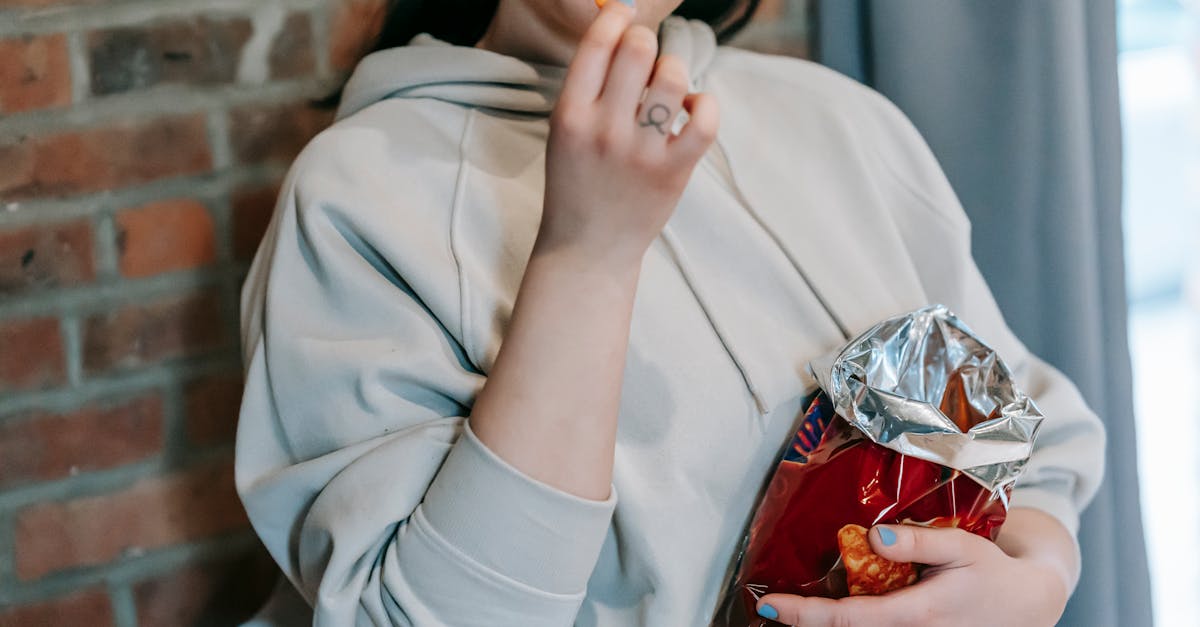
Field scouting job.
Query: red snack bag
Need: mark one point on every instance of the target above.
(917, 422)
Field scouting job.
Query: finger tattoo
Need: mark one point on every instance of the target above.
(656, 115)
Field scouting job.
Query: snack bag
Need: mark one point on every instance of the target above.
(917, 422)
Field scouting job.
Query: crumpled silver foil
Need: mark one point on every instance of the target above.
(889, 383)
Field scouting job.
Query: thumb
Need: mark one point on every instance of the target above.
(863, 610)
(933, 546)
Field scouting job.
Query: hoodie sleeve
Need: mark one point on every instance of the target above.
(355, 461)
(1067, 464)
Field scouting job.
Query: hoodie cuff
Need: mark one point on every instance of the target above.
(512, 524)
(1057, 505)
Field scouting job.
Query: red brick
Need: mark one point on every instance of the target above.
(193, 51)
(49, 255)
(164, 236)
(212, 408)
(141, 334)
(222, 593)
(44, 447)
(252, 211)
(353, 29)
(18, 171)
(291, 53)
(154, 513)
(31, 354)
(126, 153)
(35, 73)
(89, 607)
(262, 133)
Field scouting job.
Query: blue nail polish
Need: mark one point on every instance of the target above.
(767, 611)
(627, 3)
(887, 536)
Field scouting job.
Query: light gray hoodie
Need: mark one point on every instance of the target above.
(376, 306)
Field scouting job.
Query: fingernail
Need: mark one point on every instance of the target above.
(767, 611)
(886, 536)
(627, 3)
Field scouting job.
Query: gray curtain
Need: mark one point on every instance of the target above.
(1018, 99)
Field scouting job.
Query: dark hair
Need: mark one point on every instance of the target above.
(463, 22)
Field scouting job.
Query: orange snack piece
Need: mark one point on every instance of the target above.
(867, 572)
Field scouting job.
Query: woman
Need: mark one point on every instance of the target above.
(523, 189)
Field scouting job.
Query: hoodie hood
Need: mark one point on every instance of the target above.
(431, 68)
(481, 79)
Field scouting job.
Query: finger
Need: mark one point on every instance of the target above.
(589, 67)
(700, 131)
(819, 612)
(629, 72)
(944, 547)
(664, 96)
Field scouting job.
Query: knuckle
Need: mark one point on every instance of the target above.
(917, 544)
(568, 120)
(673, 83)
(602, 35)
(609, 142)
(676, 177)
(643, 160)
(706, 131)
(963, 542)
(593, 41)
(672, 74)
(593, 46)
(640, 42)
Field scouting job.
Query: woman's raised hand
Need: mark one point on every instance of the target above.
(614, 169)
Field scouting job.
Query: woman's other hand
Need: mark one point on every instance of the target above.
(1024, 578)
(614, 169)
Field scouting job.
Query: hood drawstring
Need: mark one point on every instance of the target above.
(734, 187)
(680, 257)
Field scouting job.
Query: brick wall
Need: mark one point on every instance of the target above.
(141, 144)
